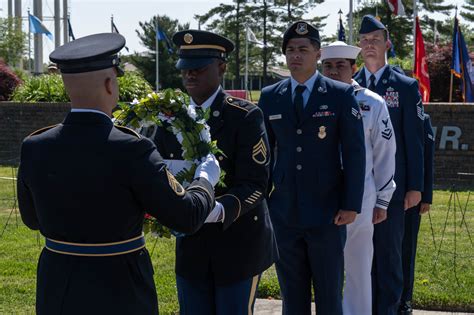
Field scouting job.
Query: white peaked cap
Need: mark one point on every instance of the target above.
(339, 50)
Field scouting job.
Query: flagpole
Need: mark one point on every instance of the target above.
(451, 81)
(157, 83)
(351, 27)
(38, 38)
(246, 58)
(451, 88)
(66, 17)
(29, 42)
(415, 14)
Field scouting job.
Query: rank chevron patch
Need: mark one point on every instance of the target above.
(387, 134)
(420, 112)
(174, 184)
(259, 152)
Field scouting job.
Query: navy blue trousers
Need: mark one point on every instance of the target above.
(311, 258)
(410, 238)
(387, 272)
(206, 298)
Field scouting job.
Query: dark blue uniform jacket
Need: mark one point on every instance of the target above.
(86, 181)
(318, 164)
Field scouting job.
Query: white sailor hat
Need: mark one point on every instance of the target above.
(339, 50)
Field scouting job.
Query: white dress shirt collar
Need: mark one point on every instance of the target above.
(377, 74)
(308, 83)
(207, 103)
(88, 110)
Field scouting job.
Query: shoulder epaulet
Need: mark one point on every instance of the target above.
(239, 103)
(128, 131)
(41, 130)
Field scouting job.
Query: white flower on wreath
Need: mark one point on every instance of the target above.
(205, 135)
(179, 136)
(191, 112)
(146, 123)
(165, 118)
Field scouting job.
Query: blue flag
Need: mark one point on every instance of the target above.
(37, 27)
(391, 53)
(461, 65)
(341, 34)
(160, 35)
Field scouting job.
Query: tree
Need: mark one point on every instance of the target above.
(229, 23)
(439, 67)
(146, 62)
(267, 18)
(468, 12)
(12, 40)
(277, 23)
(295, 9)
(8, 82)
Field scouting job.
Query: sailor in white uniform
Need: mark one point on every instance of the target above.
(338, 60)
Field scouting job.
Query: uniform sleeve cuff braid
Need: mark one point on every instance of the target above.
(232, 208)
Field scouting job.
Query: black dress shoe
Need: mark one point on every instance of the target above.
(405, 308)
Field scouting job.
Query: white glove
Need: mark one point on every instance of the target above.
(217, 214)
(209, 169)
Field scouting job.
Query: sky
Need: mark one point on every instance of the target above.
(93, 16)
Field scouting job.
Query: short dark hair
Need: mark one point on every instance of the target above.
(315, 43)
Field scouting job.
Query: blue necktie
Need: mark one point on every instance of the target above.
(299, 102)
(372, 83)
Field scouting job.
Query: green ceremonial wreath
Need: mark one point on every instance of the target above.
(171, 109)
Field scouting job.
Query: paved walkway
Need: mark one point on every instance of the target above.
(273, 307)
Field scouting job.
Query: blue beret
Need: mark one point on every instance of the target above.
(89, 53)
(370, 24)
(200, 48)
(300, 29)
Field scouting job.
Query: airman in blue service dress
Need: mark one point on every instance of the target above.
(85, 185)
(218, 267)
(413, 220)
(310, 184)
(406, 112)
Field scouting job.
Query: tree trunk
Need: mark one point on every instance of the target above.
(289, 10)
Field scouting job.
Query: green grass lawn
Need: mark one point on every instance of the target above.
(434, 288)
(255, 96)
(6, 187)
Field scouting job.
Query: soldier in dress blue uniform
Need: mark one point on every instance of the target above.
(85, 185)
(218, 268)
(413, 219)
(406, 112)
(314, 127)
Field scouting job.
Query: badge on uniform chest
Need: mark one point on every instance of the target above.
(323, 114)
(391, 97)
(322, 132)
